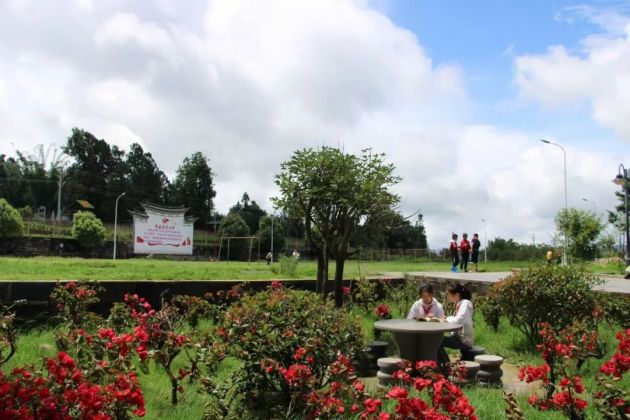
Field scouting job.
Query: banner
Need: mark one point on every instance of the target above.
(162, 230)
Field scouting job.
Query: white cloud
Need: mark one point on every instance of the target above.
(249, 82)
(598, 74)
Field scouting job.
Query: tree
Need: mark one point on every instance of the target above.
(194, 188)
(98, 173)
(11, 223)
(147, 180)
(250, 211)
(88, 229)
(264, 233)
(335, 193)
(233, 225)
(582, 228)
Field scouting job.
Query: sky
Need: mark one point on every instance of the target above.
(456, 93)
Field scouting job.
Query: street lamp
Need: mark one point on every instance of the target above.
(116, 221)
(564, 155)
(622, 180)
(485, 238)
(271, 217)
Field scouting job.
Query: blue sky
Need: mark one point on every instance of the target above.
(484, 37)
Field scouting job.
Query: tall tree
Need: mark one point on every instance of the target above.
(193, 187)
(250, 211)
(582, 229)
(97, 174)
(335, 193)
(147, 182)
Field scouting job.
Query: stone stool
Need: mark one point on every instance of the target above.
(490, 372)
(377, 350)
(469, 354)
(471, 370)
(386, 367)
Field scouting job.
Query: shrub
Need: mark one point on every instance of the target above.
(73, 300)
(612, 399)
(11, 223)
(558, 295)
(288, 266)
(266, 329)
(88, 229)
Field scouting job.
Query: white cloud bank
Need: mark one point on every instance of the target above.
(248, 82)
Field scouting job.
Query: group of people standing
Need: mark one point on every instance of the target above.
(428, 307)
(463, 252)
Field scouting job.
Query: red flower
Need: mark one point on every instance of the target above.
(346, 290)
(276, 285)
(397, 393)
(382, 311)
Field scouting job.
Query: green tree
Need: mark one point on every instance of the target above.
(11, 223)
(335, 193)
(97, 175)
(582, 228)
(264, 233)
(193, 187)
(233, 225)
(250, 211)
(147, 180)
(88, 229)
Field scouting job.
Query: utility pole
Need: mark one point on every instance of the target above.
(116, 222)
(59, 195)
(271, 238)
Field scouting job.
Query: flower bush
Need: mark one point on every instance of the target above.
(264, 331)
(73, 300)
(382, 311)
(8, 332)
(62, 391)
(563, 352)
(612, 399)
(539, 295)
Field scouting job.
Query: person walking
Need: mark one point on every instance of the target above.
(474, 257)
(454, 253)
(465, 247)
(549, 257)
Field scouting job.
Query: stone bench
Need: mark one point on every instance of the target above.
(490, 372)
(386, 367)
(471, 353)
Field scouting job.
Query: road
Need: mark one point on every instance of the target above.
(612, 284)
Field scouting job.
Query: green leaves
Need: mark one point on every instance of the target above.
(88, 229)
(11, 222)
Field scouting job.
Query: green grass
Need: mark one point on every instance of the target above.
(57, 268)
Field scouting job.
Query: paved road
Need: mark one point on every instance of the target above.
(612, 284)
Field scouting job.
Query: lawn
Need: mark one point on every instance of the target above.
(56, 268)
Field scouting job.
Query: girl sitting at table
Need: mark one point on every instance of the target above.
(427, 306)
(463, 315)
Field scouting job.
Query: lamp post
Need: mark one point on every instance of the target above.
(116, 221)
(564, 155)
(485, 238)
(271, 217)
(622, 180)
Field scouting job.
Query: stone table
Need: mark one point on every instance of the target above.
(417, 340)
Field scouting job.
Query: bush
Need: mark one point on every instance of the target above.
(11, 223)
(88, 229)
(558, 295)
(267, 329)
(288, 266)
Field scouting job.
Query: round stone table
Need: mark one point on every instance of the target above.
(417, 340)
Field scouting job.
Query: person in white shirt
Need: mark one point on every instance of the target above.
(427, 306)
(463, 339)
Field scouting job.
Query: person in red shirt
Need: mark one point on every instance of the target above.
(454, 253)
(465, 247)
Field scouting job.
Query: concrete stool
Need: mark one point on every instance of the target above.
(471, 370)
(469, 354)
(377, 350)
(386, 367)
(490, 372)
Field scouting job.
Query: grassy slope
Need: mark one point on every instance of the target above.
(55, 268)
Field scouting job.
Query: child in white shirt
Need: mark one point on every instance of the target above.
(463, 316)
(426, 306)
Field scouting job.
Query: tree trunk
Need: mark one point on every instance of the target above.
(321, 265)
(339, 281)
